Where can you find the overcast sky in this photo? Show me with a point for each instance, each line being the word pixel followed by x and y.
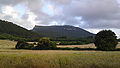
pixel 92 15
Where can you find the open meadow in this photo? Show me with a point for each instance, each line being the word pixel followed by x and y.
pixel 12 58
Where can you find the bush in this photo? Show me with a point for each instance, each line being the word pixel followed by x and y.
pixel 45 43
pixel 23 45
pixel 106 40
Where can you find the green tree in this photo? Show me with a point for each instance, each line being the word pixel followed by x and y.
pixel 45 43
pixel 106 40
pixel 23 45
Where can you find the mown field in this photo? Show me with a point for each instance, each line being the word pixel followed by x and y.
pixel 12 58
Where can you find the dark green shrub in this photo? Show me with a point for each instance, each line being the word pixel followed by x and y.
pixel 105 40
pixel 45 43
pixel 23 45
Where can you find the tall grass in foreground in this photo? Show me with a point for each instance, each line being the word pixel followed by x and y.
pixel 60 59
pixel 11 58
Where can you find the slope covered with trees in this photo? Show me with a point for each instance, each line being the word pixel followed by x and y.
pixel 8 29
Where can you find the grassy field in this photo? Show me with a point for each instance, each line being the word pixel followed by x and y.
pixel 83 46
pixel 12 58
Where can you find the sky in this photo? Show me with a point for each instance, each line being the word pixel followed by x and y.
pixel 91 15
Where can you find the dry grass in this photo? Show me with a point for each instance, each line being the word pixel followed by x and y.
pixel 6 44
pixel 83 46
pixel 118 46
pixel 79 46
pixel 12 58
pixel 59 59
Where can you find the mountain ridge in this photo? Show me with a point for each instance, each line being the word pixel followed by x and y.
pixel 56 31
pixel 62 31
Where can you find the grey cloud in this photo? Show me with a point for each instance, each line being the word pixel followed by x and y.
pixel 92 7
pixel 60 2
pixel 95 13
pixel 11 2
pixel 103 24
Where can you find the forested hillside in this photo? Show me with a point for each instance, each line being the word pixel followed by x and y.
pixel 8 29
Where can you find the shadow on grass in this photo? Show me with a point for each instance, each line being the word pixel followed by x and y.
pixel 67 48
pixel 76 48
pixel 117 49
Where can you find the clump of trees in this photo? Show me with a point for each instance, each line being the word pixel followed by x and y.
pixel 23 45
pixel 106 40
pixel 43 43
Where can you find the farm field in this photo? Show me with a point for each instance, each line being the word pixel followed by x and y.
pixel 83 46
pixel 12 58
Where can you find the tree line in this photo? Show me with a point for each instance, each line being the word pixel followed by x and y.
pixel 105 40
